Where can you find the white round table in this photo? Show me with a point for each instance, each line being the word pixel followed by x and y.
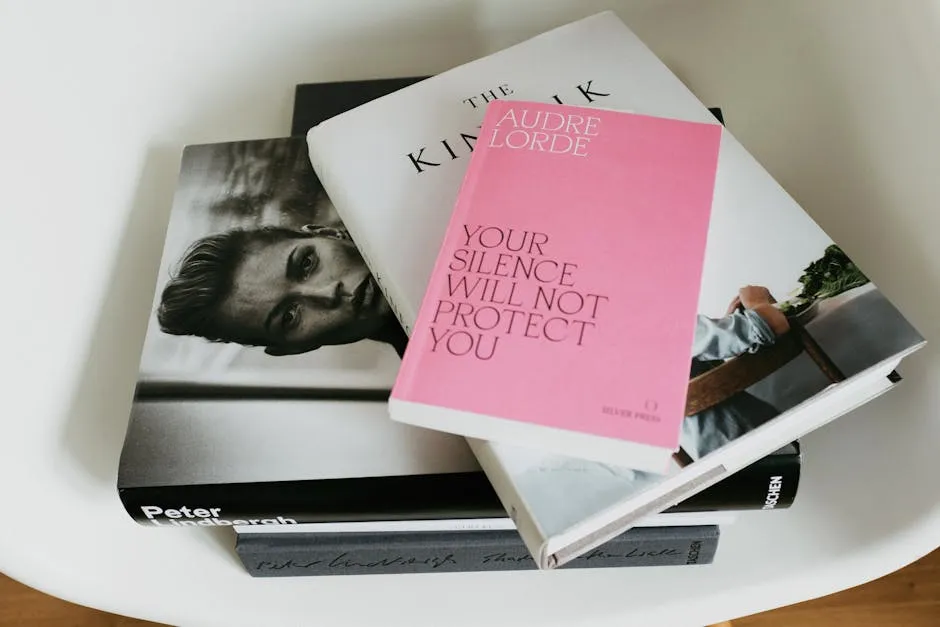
pixel 838 99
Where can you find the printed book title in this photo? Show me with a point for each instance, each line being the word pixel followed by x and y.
pixel 449 149
pixel 544 131
pixel 504 282
pixel 185 516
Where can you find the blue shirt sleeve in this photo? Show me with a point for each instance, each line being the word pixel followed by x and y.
pixel 741 332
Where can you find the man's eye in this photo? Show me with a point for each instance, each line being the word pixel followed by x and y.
pixel 308 264
pixel 291 317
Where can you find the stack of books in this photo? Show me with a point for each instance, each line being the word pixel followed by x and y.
pixel 539 311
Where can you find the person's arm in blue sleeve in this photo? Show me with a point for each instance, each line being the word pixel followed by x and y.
pixel 752 322
pixel 741 332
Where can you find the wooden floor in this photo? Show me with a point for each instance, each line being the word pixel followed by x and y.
pixel 907 598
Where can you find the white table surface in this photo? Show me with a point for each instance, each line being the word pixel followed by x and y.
pixel 838 99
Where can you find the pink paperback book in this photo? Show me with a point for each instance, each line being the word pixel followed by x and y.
pixel 561 310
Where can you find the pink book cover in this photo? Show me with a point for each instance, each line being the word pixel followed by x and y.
pixel 565 291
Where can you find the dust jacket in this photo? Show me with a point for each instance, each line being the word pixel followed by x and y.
pixel 393 168
pixel 578 346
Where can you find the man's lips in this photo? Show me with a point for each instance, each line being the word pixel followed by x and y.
pixel 363 296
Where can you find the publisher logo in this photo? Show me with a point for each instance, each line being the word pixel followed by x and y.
pixel 647 415
pixel 773 492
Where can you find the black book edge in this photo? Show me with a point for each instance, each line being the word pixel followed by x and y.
pixel 316 102
pixel 769 483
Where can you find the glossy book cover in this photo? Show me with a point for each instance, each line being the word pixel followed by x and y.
pixel 565 292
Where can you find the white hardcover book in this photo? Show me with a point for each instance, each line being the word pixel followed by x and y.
pixel 393 168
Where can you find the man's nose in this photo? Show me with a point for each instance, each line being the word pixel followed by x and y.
pixel 323 293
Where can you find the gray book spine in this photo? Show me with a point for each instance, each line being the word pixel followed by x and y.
pixel 308 554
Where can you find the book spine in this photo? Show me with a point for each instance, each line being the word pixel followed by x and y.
pixel 769 483
pixel 424 497
pixel 274 555
pixel 416 497
pixel 403 310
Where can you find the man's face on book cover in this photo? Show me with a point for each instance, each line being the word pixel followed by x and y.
pixel 271 263
pixel 303 290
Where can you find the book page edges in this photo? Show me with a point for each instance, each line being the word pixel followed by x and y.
pixel 669 519
pixel 625 453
